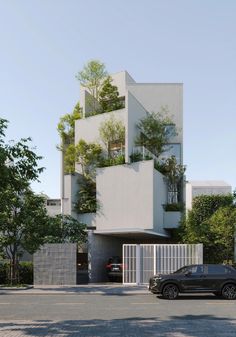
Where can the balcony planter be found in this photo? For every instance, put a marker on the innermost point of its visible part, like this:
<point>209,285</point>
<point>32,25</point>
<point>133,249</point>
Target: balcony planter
<point>171,219</point>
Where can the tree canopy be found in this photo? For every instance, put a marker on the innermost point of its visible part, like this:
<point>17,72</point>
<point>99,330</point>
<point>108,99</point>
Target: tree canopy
<point>211,221</point>
<point>92,77</point>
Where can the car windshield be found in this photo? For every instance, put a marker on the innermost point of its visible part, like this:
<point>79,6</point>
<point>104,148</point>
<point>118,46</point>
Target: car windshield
<point>115,259</point>
<point>181,270</point>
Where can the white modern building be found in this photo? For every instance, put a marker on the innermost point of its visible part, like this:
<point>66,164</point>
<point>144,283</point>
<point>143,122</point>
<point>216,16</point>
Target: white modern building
<point>205,187</point>
<point>131,196</point>
<point>53,206</point>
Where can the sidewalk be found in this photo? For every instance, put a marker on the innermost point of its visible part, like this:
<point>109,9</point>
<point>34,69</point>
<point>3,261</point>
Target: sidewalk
<point>97,289</point>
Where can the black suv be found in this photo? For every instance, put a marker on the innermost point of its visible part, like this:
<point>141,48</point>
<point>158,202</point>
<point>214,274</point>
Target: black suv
<point>216,278</point>
<point>114,268</point>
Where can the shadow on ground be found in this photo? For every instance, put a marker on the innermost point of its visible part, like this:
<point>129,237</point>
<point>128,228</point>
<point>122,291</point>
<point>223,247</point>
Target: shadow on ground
<point>174,326</point>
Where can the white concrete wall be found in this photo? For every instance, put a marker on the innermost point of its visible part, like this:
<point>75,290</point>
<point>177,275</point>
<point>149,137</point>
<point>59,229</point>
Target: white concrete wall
<point>157,95</point>
<point>121,79</point>
<point>71,188</point>
<point>135,112</point>
<point>125,196</point>
<point>88,128</point>
<point>53,210</point>
<point>160,198</point>
<point>87,218</point>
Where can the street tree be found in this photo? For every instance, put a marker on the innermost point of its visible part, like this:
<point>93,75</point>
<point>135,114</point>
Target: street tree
<point>22,214</point>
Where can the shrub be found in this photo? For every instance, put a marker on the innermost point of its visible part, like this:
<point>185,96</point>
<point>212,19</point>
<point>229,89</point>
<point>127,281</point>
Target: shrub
<point>25,273</point>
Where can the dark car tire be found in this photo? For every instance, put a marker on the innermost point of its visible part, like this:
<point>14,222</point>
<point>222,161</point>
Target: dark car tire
<point>229,291</point>
<point>170,291</point>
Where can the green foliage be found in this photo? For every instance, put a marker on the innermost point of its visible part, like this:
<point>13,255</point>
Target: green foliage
<point>174,174</point>
<point>25,273</point>
<point>175,207</point>
<point>4,271</point>
<point>23,218</point>
<point>135,157</point>
<point>211,219</point>
<point>66,229</point>
<point>223,226</point>
<point>112,161</point>
<point>112,131</point>
<point>88,155</point>
<point>205,206</point>
<point>85,154</point>
<point>92,77</point>
<point>86,196</point>
<point>156,130</point>
<point>109,96</point>
<point>66,126</point>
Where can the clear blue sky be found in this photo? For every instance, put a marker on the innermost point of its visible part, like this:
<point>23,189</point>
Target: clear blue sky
<point>44,43</point>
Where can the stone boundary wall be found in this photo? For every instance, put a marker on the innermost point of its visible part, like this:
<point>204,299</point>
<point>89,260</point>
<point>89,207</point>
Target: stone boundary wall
<point>56,264</point>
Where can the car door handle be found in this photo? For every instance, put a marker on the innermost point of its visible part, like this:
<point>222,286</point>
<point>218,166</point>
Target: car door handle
<point>203,276</point>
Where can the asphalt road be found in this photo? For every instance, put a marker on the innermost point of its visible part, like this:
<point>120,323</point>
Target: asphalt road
<point>116,315</point>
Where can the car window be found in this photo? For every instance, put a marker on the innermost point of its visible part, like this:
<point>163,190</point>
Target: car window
<point>217,269</point>
<point>198,269</point>
<point>181,270</point>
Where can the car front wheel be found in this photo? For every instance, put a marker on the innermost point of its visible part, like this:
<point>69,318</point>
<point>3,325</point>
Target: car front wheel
<point>170,291</point>
<point>229,291</point>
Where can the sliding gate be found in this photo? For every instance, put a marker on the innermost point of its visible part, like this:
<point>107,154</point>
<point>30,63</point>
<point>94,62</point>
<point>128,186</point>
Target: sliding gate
<point>143,261</point>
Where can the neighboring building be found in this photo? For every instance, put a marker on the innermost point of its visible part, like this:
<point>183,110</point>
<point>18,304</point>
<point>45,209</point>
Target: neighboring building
<point>205,187</point>
<point>131,196</point>
<point>53,206</point>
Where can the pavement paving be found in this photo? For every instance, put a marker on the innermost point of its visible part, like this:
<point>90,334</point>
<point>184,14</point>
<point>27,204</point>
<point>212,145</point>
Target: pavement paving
<point>93,288</point>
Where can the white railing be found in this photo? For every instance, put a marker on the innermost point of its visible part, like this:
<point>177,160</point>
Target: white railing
<point>144,153</point>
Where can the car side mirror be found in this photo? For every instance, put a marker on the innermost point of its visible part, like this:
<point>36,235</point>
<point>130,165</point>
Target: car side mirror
<point>187,273</point>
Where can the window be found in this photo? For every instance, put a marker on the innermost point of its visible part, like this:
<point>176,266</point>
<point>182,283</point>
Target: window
<point>217,269</point>
<point>196,269</point>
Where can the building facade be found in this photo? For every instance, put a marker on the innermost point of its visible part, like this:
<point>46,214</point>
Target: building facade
<point>131,197</point>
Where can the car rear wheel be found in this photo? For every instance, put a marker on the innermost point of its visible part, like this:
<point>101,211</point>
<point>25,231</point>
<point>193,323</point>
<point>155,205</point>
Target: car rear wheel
<point>170,291</point>
<point>229,291</point>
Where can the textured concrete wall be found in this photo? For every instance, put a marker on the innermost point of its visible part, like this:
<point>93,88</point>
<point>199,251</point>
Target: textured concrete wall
<point>56,264</point>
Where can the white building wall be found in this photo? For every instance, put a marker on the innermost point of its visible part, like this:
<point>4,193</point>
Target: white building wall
<point>125,197</point>
<point>160,199</point>
<point>88,128</point>
<point>135,112</point>
<point>71,189</point>
<point>157,95</point>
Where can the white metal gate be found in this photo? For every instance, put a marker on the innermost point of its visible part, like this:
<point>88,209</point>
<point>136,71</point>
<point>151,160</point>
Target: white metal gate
<point>142,261</point>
